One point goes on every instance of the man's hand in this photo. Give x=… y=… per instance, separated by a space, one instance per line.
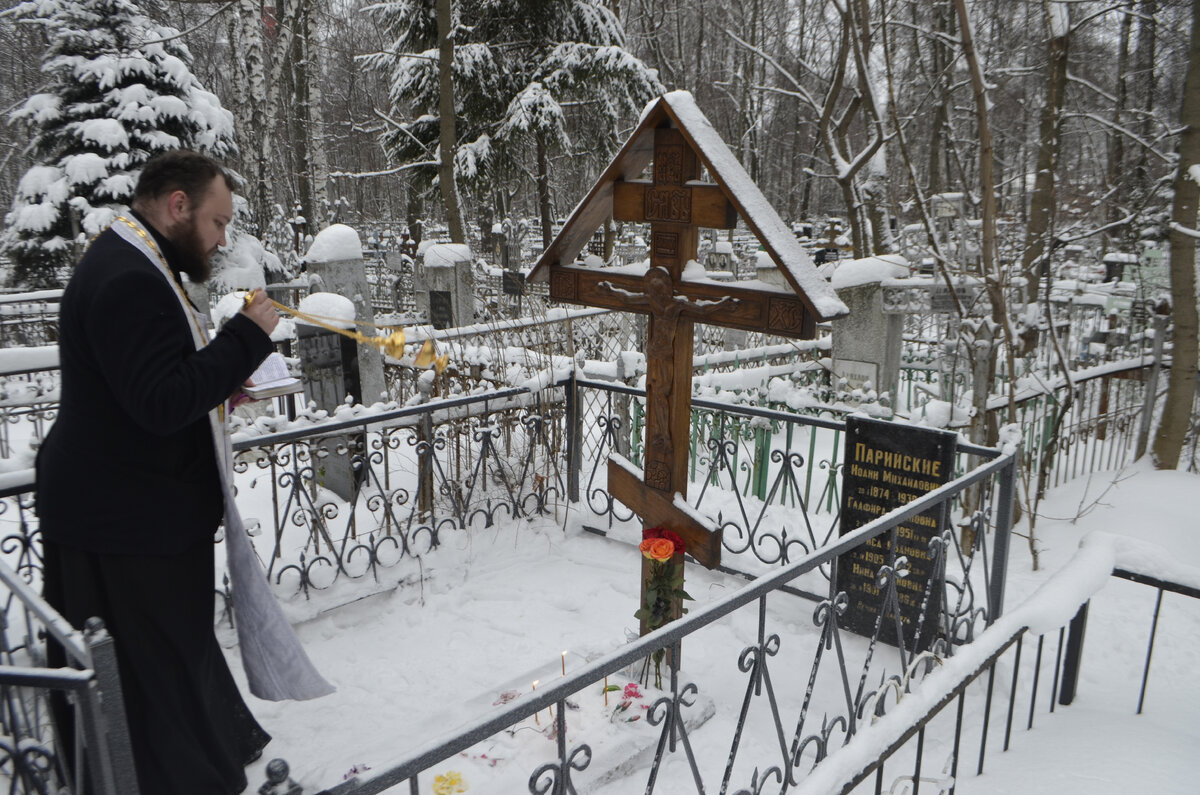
x=261 y=311
x=239 y=397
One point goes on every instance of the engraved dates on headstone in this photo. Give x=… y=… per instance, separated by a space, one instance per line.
x=888 y=465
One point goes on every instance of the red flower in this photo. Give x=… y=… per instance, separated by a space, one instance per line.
x=651 y=533
x=674 y=538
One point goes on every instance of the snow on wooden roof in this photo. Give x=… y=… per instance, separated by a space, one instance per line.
x=678 y=109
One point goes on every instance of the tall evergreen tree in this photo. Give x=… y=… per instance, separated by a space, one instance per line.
x=119 y=89
x=531 y=78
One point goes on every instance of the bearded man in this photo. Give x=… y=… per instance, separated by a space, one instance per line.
x=129 y=490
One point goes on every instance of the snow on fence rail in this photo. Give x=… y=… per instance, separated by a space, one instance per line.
x=1058 y=606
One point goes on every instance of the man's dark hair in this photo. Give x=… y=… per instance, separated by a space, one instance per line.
x=179 y=169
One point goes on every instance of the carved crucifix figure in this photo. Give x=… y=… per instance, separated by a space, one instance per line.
x=665 y=308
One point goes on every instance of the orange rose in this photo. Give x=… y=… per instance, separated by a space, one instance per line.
x=660 y=549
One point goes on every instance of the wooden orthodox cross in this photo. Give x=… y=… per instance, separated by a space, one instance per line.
x=680 y=141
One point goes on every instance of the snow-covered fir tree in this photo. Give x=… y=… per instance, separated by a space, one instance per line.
x=530 y=77
x=119 y=89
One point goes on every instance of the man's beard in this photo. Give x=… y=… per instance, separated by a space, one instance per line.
x=192 y=258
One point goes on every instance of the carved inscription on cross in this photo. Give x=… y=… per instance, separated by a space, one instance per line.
x=676 y=205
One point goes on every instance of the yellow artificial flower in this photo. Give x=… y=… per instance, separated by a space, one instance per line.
x=449 y=782
x=392 y=345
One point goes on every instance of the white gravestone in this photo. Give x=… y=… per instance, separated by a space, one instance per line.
x=445 y=285
x=866 y=343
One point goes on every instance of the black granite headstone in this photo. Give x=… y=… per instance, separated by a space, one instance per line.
x=887 y=465
x=441 y=309
x=513 y=283
x=329 y=363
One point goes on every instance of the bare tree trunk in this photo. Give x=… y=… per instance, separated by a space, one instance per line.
x=447 y=138
x=278 y=74
x=1146 y=70
x=318 y=162
x=1042 y=203
x=1181 y=386
x=256 y=147
x=543 y=193
x=939 y=61
x=987 y=209
x=1116 y=140
x=299 y=132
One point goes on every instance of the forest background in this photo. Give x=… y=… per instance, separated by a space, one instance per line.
x=1061 y=122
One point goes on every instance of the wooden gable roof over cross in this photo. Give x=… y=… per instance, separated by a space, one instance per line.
x=679 y=139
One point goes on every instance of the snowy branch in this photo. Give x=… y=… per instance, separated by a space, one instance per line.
x=800 y=91
x=1074 y=78
x=193 y=28
x=1149 y=147
x=1183 y=230
x=403 y=128
x=384 y=173
x=1119 y=7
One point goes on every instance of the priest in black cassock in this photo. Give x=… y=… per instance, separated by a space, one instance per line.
x=129 y=490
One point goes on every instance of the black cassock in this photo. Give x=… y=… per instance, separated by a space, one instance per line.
x=190 y=729
x=129 y=497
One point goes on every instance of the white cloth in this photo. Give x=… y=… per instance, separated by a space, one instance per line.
x=276 y=665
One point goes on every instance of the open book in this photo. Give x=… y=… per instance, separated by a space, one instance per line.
x=272 y=379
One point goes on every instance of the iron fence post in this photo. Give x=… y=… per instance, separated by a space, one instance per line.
x=1071 y=660
x=112 y=728
x=425 y=466
x=574 y=438
x=1004 y=519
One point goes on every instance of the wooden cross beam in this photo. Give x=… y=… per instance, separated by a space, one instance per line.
x=768 y=311
x=701 y=537
x=667 y=204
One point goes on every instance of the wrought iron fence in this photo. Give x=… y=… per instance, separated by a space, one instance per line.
x=505 y=353
x=29 y=384
x=987 y=709
x=390 y=280
x=785 y=734
x=770 y=479
x=374 y=492
x=62 y=721
x=28 y=319
x=1090 y=425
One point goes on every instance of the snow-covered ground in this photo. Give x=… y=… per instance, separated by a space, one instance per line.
x=496 y=610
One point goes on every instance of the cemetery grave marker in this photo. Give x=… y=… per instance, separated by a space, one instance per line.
x=887 y=465
x=681 y=142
